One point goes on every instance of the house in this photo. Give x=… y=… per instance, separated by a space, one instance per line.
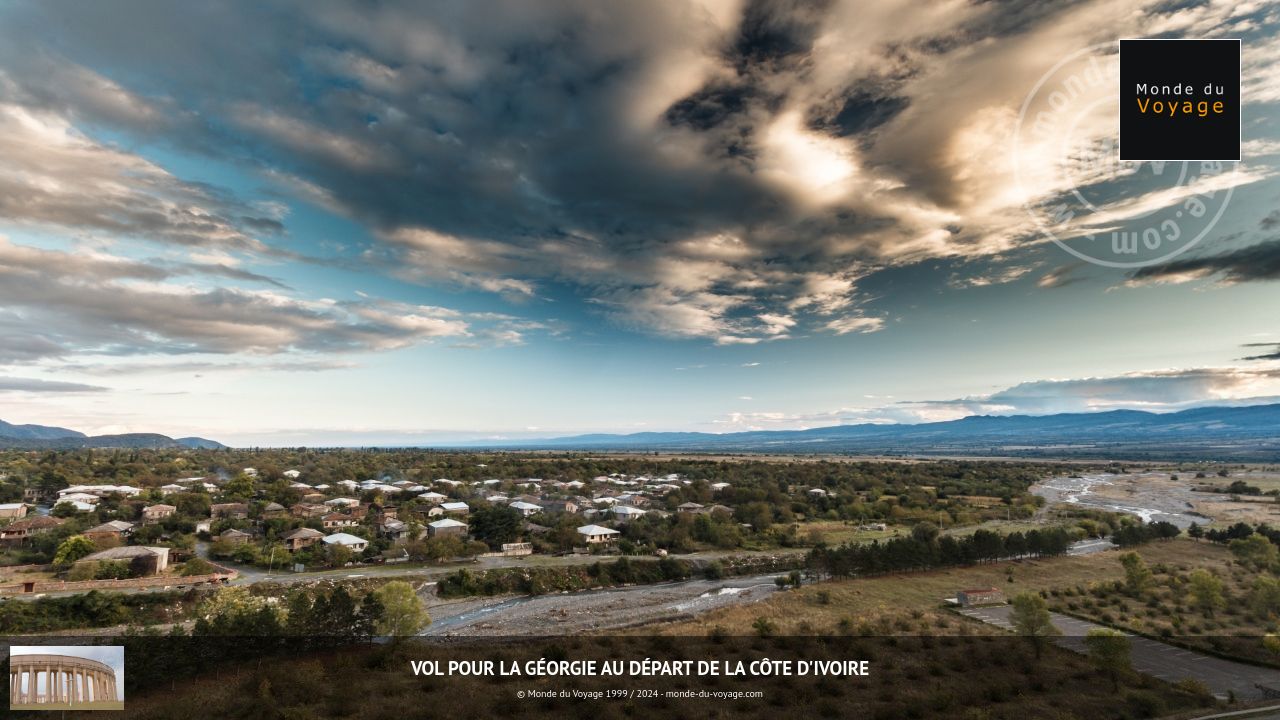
x=80 y=498
x=274 y=510
x=980 y=596
x=626 y=513
x=13 y=510
x=301 y=538
x=689 y=507
x=308 y=510
x=152 y=513
x=447 y=526
x=561 y=506
x=394 y=530
x=337 y=520
x=717 y=487
x=115 y=530
x=100 y=490
x=596 y=534
x=355 y=544
x=146 y=560
x=229 y=510
x=20 y=530
x=817 y=492
x=525 y=508
x=292 y=474
x=342 y=502
x=234 y=537
x=455 y=508
x=171 y=488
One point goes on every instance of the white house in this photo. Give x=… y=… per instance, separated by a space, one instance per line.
x=356 y=544
x=292 y=474
x=625 y=513
x=171 y=488
x=455 y=508
x=594 y=534
x=526 y=508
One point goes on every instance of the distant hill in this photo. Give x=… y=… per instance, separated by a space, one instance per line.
x=199 y=443
x=41 y=437
x=36 y=432
x=1251 y=432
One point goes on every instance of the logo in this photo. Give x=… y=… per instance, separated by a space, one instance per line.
x=1101 y=209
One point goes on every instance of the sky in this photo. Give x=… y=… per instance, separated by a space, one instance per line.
x=326 y=222
x=112 y=655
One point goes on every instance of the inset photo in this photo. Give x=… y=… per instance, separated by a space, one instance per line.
x=66 y=677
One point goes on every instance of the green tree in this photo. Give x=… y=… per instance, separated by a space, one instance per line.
x=72 y=549
x=1109 y=653
x=1031 y=619
x=1255 y=552
x=1137 y=576
x=403 y=612
x=1206 y=591
x=1264 y=599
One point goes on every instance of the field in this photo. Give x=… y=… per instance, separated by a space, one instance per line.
x=1168 y=610
x=913 y=602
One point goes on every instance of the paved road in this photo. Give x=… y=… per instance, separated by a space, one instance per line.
x=1089 y=547
x=1161 y=660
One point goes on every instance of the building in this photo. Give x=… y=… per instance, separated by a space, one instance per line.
x=308 y=510
x=455 y=508
x=274 y=510
x=302 y=538
x=229 y=510
x=146 y=560
x=525 y=508
x=20 y=530
x=152 y=513
x=13 y=511
x=116 y=530
x=354 y=543
x=395 y=530
x=447 y=526
x=689 y=507
x=626 y=513
x=980 y=596
x=100 y=490
x=337 y=520
x=596 y=534
x=231 y=536
x=171 y=488
x=561 y=506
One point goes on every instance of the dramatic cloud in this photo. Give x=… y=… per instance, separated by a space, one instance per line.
x=97 y=304
x=719 y=169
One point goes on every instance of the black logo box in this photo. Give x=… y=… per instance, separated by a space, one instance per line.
x=1185 y=67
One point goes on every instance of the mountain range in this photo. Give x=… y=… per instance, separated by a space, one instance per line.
x=40 y=437
x=1251 y=432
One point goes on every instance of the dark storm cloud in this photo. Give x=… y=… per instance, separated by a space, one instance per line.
x=1272 y=351
x=1248 y=264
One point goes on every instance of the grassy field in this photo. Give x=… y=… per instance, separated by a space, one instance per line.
x=913 y=602
x=1167 y=609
